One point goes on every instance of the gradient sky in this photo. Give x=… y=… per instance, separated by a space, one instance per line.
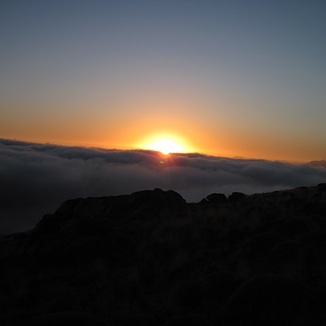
x=231 y=78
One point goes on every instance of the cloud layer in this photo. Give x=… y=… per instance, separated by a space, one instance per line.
x=36 y=178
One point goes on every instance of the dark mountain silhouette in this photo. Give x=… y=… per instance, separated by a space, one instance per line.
x=150 y=258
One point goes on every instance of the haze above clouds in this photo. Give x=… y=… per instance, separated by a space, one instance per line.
x=36 y=178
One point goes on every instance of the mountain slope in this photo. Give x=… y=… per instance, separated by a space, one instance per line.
x=150 y=258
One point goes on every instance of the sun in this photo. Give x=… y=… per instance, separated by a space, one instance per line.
x=165 y=144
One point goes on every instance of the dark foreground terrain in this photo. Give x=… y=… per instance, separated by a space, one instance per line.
x=150 y=258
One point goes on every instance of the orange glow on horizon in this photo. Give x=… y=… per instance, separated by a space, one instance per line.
x=143 y=132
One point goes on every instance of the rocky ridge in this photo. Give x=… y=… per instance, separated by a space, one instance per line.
x=150 y=258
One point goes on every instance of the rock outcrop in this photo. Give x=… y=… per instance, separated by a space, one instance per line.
x=150 y=258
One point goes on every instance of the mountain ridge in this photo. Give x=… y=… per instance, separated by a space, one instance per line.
x=151 y=258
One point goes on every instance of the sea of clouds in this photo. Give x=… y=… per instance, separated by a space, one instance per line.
x=36 y=178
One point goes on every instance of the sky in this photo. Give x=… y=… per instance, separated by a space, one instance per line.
x=226 y=78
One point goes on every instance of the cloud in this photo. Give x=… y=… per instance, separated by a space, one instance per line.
x=36 y=178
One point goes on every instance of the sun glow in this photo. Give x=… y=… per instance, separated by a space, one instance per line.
x=165 y=145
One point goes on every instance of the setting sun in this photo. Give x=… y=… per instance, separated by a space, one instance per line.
x=165 y=144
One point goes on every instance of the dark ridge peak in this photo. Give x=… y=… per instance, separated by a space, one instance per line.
x=97 y=205
x=141 y=205
x=159 y=196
